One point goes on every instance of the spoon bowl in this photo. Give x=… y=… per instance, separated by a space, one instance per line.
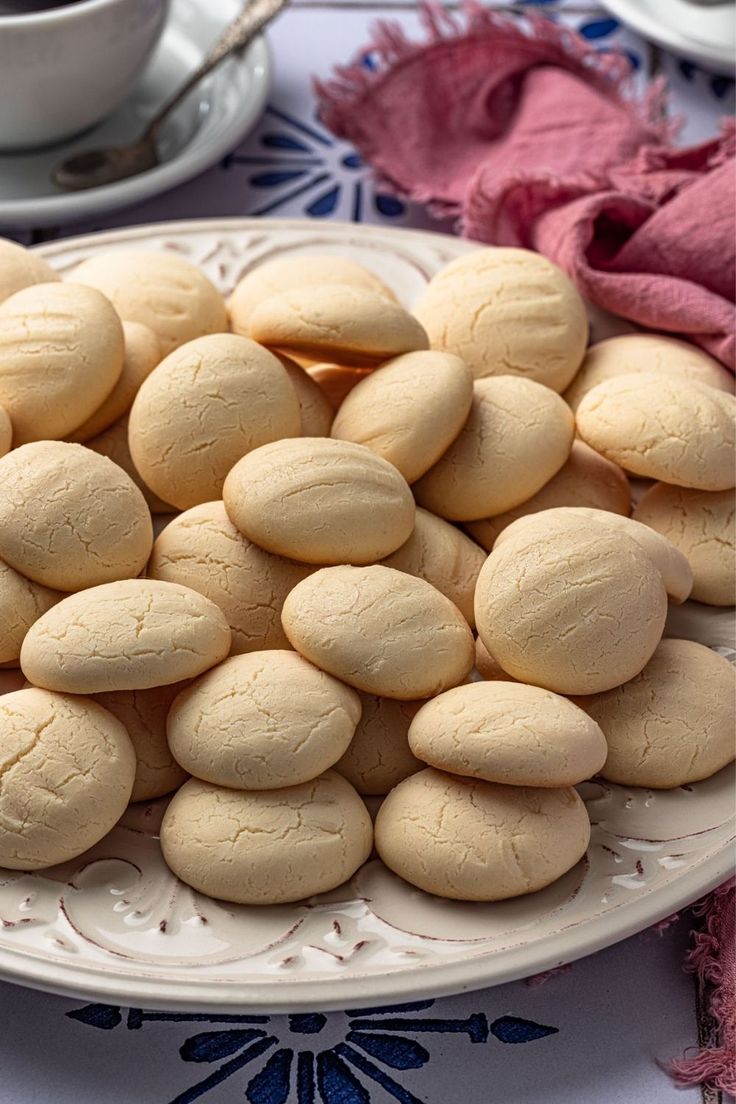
x=96 y=168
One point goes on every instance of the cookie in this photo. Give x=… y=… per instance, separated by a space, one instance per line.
x=296 y=271
x=639 y=352
x=379 y=756
x=162 y=290
x=6 y=432
x=336 y=321
x=476 y=841
x=70 y=518
x=576 y=611
x=517 y=436
x=61 y=354
x=202 y=549
x=673 y=723
x=510 y=733
x=207 y=404
x=585 y=479
x=67 y=769
x=128 y=635
x=703 y=526
x=445 y=557
x=113 y=443
x=315 y=409
x=507 y=312
x=336 y=381
x=262 y=721
x=142 y=354
x=379 y=630
x=409 y=411
x=143 y=715
x=266 y=847
x=663 y=428
x=20 y=268
x=21 y=603
x=320 y=501
x=488 y=666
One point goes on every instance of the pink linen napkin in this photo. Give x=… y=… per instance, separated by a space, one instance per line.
x=525 y=132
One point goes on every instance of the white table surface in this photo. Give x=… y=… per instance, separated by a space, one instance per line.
x=603 y=1027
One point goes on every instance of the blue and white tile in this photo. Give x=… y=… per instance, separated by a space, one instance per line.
x=699 y=98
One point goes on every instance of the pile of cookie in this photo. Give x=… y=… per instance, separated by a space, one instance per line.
x=307 y=552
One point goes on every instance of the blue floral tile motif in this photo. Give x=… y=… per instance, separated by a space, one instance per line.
x=373 y=1044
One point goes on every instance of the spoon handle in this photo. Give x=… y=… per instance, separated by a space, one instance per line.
x=255 y=16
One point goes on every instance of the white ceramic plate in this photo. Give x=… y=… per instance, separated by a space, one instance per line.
x=700 y=30
x=115 y=925
x=211 y=122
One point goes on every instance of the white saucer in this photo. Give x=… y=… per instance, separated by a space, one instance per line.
x=211 y=122
x=702 y=31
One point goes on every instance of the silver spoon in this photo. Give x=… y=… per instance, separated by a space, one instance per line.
x=105 y=166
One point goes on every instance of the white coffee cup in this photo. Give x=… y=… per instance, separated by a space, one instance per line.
x=62 y=69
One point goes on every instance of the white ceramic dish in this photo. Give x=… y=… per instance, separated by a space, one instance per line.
x=210 y=123
x=702 y=31
x=115 y=925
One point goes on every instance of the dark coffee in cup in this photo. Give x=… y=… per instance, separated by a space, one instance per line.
x=31 y=7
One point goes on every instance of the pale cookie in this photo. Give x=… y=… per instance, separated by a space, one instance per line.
x=507 y=312
x=445 y=557
x=517 y=436
x=379 y=756
x=510 y=733
x=476 y=841
x=261 y=721
x=6 y=431
x=129 y=635
x=488 y=666
x=409 y=411
x=163 y=291
x=673 y=723
x=19 y=268
x=207 y=404
x=640 y=352
x=21 y=603
x=70 y=518
x=67 y=769
x=143 y=714
x=297 y=271
x=113 y=443
x=336 y=321
x=202 y=549
x=663 y=428
x=574 y=611
x=266 y=847
x=671 y=563
x=61 y=354
x=315 y=409
x=379 y=630
x=335 y=381
x=702 y=524
x=142 y=354
x=320 y=501
x=585 y=479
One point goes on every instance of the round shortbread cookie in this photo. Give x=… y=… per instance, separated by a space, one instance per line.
x=6 y=431
x=335 y=381
x=67 y=769
x=297 y=271
x=21 y=603
x=315 y=409
x=129 y=635
x=488 y=666
x=617 y=356
x=379 y=756
x=409 y=411
x=70 y=518
x=379 y=630
x=163 y=291
x=262 y=721
x=663 y=428
x=576 y=611
x=702 y=524
x=266 y=847
x=142 y=354
x=508 y=732
x=205 y=406
x=445 y=557
x=507 y=312
x=517 y=436
x=320 y=501
x=202 y=549
x=61 y=354
x=477 y=841
x=673 y=723
x=20 y=268
x=585 y=479
x=113 y=443
x=336 y=321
